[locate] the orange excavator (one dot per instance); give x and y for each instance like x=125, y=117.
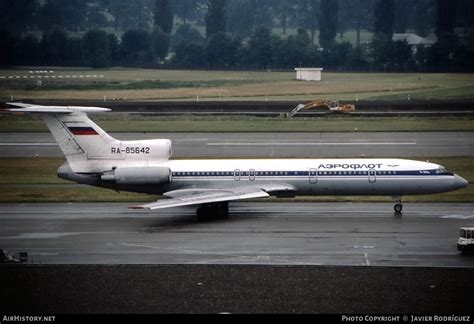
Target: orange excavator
x=331, y=106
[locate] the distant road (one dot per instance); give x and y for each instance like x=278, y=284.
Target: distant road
x=271, y=145
x=463, y=107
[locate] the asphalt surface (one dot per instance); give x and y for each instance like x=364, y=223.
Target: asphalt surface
x=337, y=258
x=271, y=145
x=342, y=234
x=215, y=289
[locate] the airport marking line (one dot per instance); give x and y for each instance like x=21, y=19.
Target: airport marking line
x=367, y=259
x=251, y=144
x=10, y=77
x=226, y=256
x=309, y=144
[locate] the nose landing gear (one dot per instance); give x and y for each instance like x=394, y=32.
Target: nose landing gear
x=398, y=208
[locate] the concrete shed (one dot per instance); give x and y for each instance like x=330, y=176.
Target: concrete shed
x=308, y=74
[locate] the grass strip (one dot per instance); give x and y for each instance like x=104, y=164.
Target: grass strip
x=218, y=124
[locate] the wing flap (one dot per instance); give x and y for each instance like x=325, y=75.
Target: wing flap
x=206, y=197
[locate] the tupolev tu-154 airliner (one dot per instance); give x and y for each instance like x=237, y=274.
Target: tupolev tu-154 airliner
x=95, y=158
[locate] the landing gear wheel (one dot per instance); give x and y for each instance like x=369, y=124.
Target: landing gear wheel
x=222, y=210
x=201, y=213
x=398, y=208
x=213, y=211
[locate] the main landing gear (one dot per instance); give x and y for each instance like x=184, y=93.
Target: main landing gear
x=213, y=211
x=398, y=208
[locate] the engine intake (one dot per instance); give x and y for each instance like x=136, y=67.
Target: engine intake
x=139, y=176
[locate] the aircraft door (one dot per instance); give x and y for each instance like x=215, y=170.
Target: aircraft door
x=372, y=176
x=252, y=175
x=237, y=175
x=313, y=176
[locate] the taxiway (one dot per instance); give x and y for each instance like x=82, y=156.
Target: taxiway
x=349, y=234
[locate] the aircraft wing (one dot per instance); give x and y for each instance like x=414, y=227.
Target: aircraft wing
x=188, y=197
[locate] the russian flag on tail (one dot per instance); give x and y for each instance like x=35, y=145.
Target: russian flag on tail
x=82, y=131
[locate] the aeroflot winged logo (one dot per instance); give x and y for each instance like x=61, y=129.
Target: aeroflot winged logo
x=351, y=166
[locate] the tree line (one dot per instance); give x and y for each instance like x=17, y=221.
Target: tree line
x=236, y=34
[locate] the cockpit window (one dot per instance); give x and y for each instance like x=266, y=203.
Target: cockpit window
x=442, y=170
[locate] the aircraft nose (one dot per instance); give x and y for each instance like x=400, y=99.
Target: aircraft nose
x=460, y=182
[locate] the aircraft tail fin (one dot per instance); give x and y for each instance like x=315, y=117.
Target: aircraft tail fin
x=76, y=134
x=86, y=146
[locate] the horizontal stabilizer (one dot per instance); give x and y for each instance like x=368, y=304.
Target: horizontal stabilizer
x=38, y=109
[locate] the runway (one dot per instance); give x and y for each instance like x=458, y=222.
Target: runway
x=271, y=145
x=342, y=234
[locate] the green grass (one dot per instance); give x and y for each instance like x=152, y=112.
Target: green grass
x=30, y=171
x=137, y=85
x=92, y=194
x=68, y=194
x=336, y=123
x=35, y=180
x=311, y=124
x=466, y=92
x=462, y=196
x=119, y=75
x=142, y=84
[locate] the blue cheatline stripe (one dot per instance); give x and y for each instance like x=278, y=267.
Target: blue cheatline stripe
x=307, y=173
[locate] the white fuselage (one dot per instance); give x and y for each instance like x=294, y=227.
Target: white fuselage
x=395, y=177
